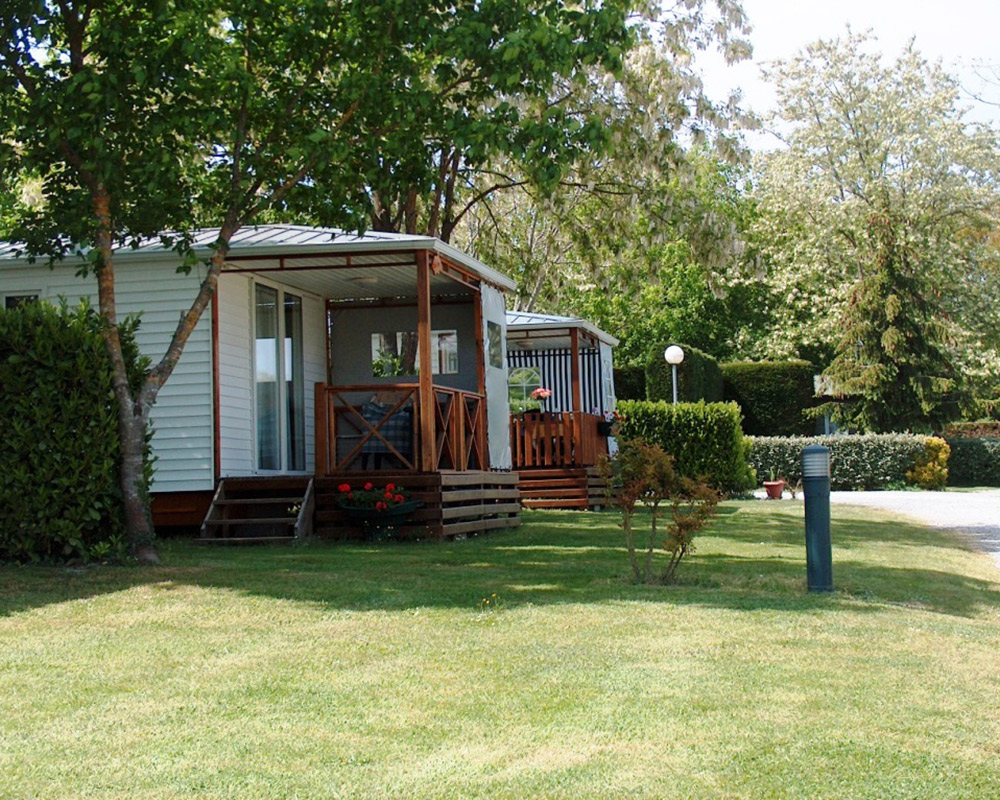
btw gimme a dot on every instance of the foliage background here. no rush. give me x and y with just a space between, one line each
60 496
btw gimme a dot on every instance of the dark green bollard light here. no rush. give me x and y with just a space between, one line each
816 488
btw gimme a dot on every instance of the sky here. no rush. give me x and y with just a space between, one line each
960 33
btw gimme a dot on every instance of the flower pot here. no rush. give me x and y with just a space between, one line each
378 523
774 489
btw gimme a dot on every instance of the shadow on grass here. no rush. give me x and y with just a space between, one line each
555 557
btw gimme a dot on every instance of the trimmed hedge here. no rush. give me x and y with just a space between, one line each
59 498
772 394
974 462
705 439
857 461
698 377
630 383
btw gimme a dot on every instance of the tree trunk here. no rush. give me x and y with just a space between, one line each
131 417
135 497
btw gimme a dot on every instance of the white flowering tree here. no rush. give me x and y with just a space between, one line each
876 219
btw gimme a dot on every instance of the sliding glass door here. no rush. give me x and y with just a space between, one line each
279 388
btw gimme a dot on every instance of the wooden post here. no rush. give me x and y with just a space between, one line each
480 343
574 348
428 441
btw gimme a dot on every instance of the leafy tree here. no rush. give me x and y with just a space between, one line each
628 134
874 220
139 117
654 279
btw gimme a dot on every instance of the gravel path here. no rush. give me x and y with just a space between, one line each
976 514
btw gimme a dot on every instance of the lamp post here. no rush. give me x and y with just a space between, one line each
674 356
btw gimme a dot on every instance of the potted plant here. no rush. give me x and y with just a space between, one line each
532 404
610 425
378 510
775 486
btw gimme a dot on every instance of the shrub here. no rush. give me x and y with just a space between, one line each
974 462
857 461
931 468
973 430
705 439
630 383
644 473
772 395
60 496
698 377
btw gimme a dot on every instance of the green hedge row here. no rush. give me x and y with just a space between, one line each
59 497
772 395
705 438
698 377
863 461
974 462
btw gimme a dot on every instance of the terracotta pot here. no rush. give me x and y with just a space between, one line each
775 489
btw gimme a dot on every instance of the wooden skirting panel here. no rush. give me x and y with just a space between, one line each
455 503
581 487
180 509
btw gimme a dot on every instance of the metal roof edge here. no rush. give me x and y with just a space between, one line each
332 247
583 324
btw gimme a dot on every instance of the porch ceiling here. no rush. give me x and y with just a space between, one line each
376 277
547 339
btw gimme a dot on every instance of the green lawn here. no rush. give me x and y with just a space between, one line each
377 671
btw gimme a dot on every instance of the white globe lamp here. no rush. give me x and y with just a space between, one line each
674 355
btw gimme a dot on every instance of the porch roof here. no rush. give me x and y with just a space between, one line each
525 325
296 241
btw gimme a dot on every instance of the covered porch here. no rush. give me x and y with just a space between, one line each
410 384
556 447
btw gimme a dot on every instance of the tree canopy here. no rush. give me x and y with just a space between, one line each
875 220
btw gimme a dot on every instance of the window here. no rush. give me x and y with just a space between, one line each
11 301
279 388
494 342
521 382
395 354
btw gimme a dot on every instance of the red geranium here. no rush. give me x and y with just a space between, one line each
372 497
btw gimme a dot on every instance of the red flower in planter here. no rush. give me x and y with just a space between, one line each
380 506
368 486
390 487
399 498
344 488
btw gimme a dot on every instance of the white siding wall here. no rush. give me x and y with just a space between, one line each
235 376
236 420
182 416
497 403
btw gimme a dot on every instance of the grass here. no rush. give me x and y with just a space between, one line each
381 671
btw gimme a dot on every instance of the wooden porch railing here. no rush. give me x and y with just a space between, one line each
352 432
555 439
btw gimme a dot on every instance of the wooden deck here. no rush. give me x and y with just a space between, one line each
573 487
555 454
455 503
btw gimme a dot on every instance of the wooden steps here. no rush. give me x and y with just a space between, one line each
259 511
580 487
